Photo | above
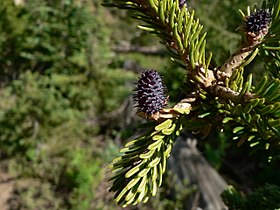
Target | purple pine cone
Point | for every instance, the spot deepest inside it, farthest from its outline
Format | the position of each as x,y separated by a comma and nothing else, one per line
182,3
150,96
258,21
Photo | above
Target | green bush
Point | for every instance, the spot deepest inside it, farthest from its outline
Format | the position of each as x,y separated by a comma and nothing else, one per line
31,108
42,36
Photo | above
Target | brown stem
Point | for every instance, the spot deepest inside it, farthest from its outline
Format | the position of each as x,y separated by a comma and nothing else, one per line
227,93
242,53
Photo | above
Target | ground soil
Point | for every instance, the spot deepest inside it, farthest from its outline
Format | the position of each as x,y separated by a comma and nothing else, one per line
6,189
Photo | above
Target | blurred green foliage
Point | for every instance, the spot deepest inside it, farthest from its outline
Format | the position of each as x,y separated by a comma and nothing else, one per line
263,198
55,83
42,36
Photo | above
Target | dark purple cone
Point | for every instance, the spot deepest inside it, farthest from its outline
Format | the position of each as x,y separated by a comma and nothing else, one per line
150,96
258,21
182,3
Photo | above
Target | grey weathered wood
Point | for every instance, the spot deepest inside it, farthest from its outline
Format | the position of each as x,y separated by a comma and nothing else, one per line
188,163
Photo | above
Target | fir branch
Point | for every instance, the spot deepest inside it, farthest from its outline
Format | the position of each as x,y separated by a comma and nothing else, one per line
139,170
256,27
176,26
218,97
229,94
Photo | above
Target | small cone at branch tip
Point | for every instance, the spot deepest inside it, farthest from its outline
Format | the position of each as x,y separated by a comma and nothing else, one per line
182,3
150,96
258,22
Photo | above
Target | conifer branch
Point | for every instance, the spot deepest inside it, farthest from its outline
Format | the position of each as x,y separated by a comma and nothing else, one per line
254,36
177,28
229,94
219,96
